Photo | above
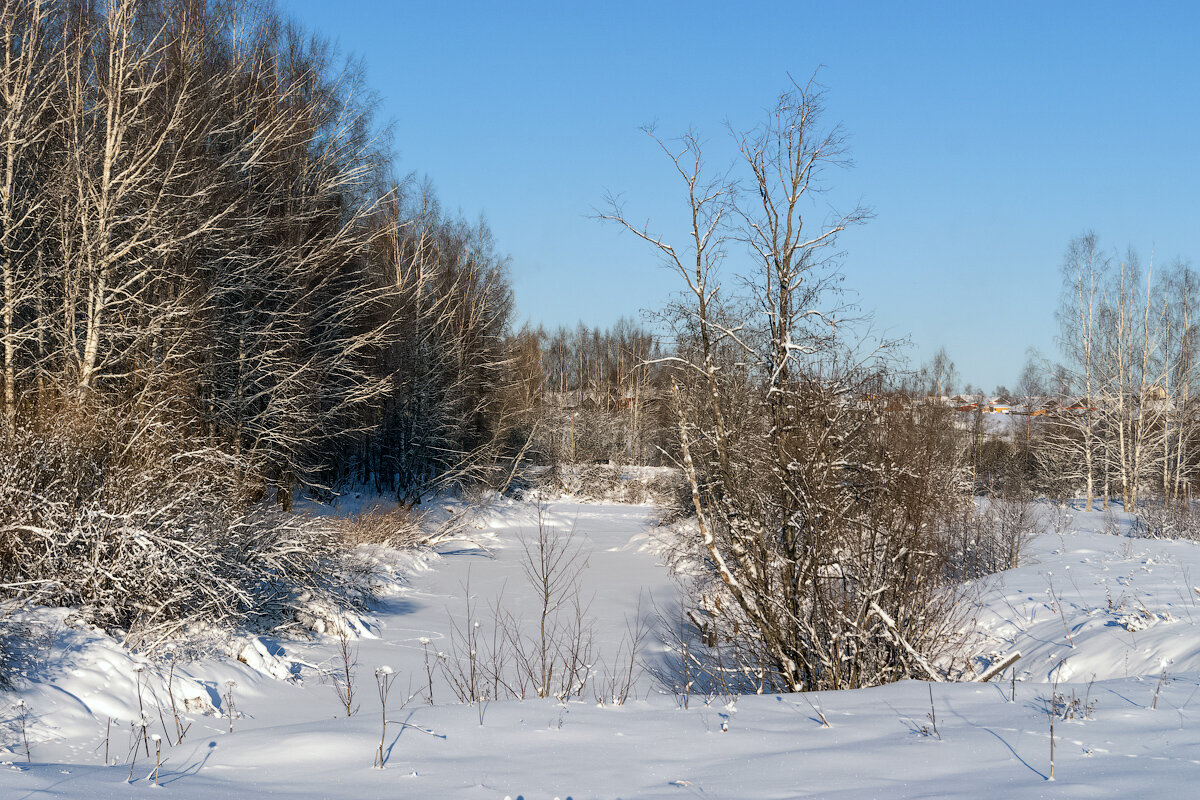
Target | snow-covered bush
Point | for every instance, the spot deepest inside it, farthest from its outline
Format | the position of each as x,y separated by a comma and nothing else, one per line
400,528
989,535
1158,519
150,537
616,483
833,570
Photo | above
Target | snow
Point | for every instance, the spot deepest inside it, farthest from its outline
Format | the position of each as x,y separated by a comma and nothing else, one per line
1105,619
1105,605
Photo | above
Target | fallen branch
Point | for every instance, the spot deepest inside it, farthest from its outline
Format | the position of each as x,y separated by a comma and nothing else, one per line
998,667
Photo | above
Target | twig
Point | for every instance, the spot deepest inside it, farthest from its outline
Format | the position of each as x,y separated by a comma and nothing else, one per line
933,713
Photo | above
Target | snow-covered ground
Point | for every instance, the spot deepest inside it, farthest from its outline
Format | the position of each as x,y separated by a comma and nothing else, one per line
1113,620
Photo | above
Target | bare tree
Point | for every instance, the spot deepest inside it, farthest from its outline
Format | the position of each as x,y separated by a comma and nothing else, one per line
1132,330
1076,428
782,448
25,89
940,374
697,263
1180,376
200,277
130,109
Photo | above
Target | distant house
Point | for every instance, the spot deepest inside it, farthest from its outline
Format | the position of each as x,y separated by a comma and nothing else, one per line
998,406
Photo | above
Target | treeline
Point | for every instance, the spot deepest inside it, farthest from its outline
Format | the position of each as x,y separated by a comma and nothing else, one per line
1130,378
1117,417
593,394
215,296
198,231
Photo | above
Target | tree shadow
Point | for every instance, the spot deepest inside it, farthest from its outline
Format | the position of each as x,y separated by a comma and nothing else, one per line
191,769
405,725
950,706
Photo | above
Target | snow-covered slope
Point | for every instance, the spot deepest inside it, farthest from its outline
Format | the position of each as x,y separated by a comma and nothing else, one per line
1099,613
1101,605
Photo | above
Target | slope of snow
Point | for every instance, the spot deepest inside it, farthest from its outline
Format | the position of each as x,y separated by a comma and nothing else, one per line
1111,619
1101,605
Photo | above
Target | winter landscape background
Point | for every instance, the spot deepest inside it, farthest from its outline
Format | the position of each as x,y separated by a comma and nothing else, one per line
311,486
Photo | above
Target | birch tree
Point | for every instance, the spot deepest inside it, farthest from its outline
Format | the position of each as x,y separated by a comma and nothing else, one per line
188,224
26,83
1133,399
128,119
1075,429
810,585
1180,377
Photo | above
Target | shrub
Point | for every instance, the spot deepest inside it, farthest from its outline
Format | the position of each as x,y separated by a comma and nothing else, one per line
1159,519
399,527
619,484
990,536
150,537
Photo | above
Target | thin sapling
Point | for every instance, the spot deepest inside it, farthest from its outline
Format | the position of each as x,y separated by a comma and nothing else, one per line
384,677
343,682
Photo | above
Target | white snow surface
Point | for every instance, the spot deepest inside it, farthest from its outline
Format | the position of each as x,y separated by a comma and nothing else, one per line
1113,619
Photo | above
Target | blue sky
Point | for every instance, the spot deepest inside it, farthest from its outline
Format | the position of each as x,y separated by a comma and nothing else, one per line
985,136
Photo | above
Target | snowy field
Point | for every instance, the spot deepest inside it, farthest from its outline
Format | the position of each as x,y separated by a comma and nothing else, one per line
1110,623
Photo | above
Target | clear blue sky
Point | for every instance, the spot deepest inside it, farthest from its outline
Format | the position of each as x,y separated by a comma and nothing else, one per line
985,136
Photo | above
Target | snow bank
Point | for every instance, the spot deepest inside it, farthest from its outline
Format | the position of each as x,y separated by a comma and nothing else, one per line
1104,620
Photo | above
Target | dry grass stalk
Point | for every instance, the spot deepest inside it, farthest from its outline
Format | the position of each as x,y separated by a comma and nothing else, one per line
399,527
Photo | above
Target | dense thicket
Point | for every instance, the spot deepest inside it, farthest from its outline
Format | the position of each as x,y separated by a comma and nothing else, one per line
192,230
214,295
